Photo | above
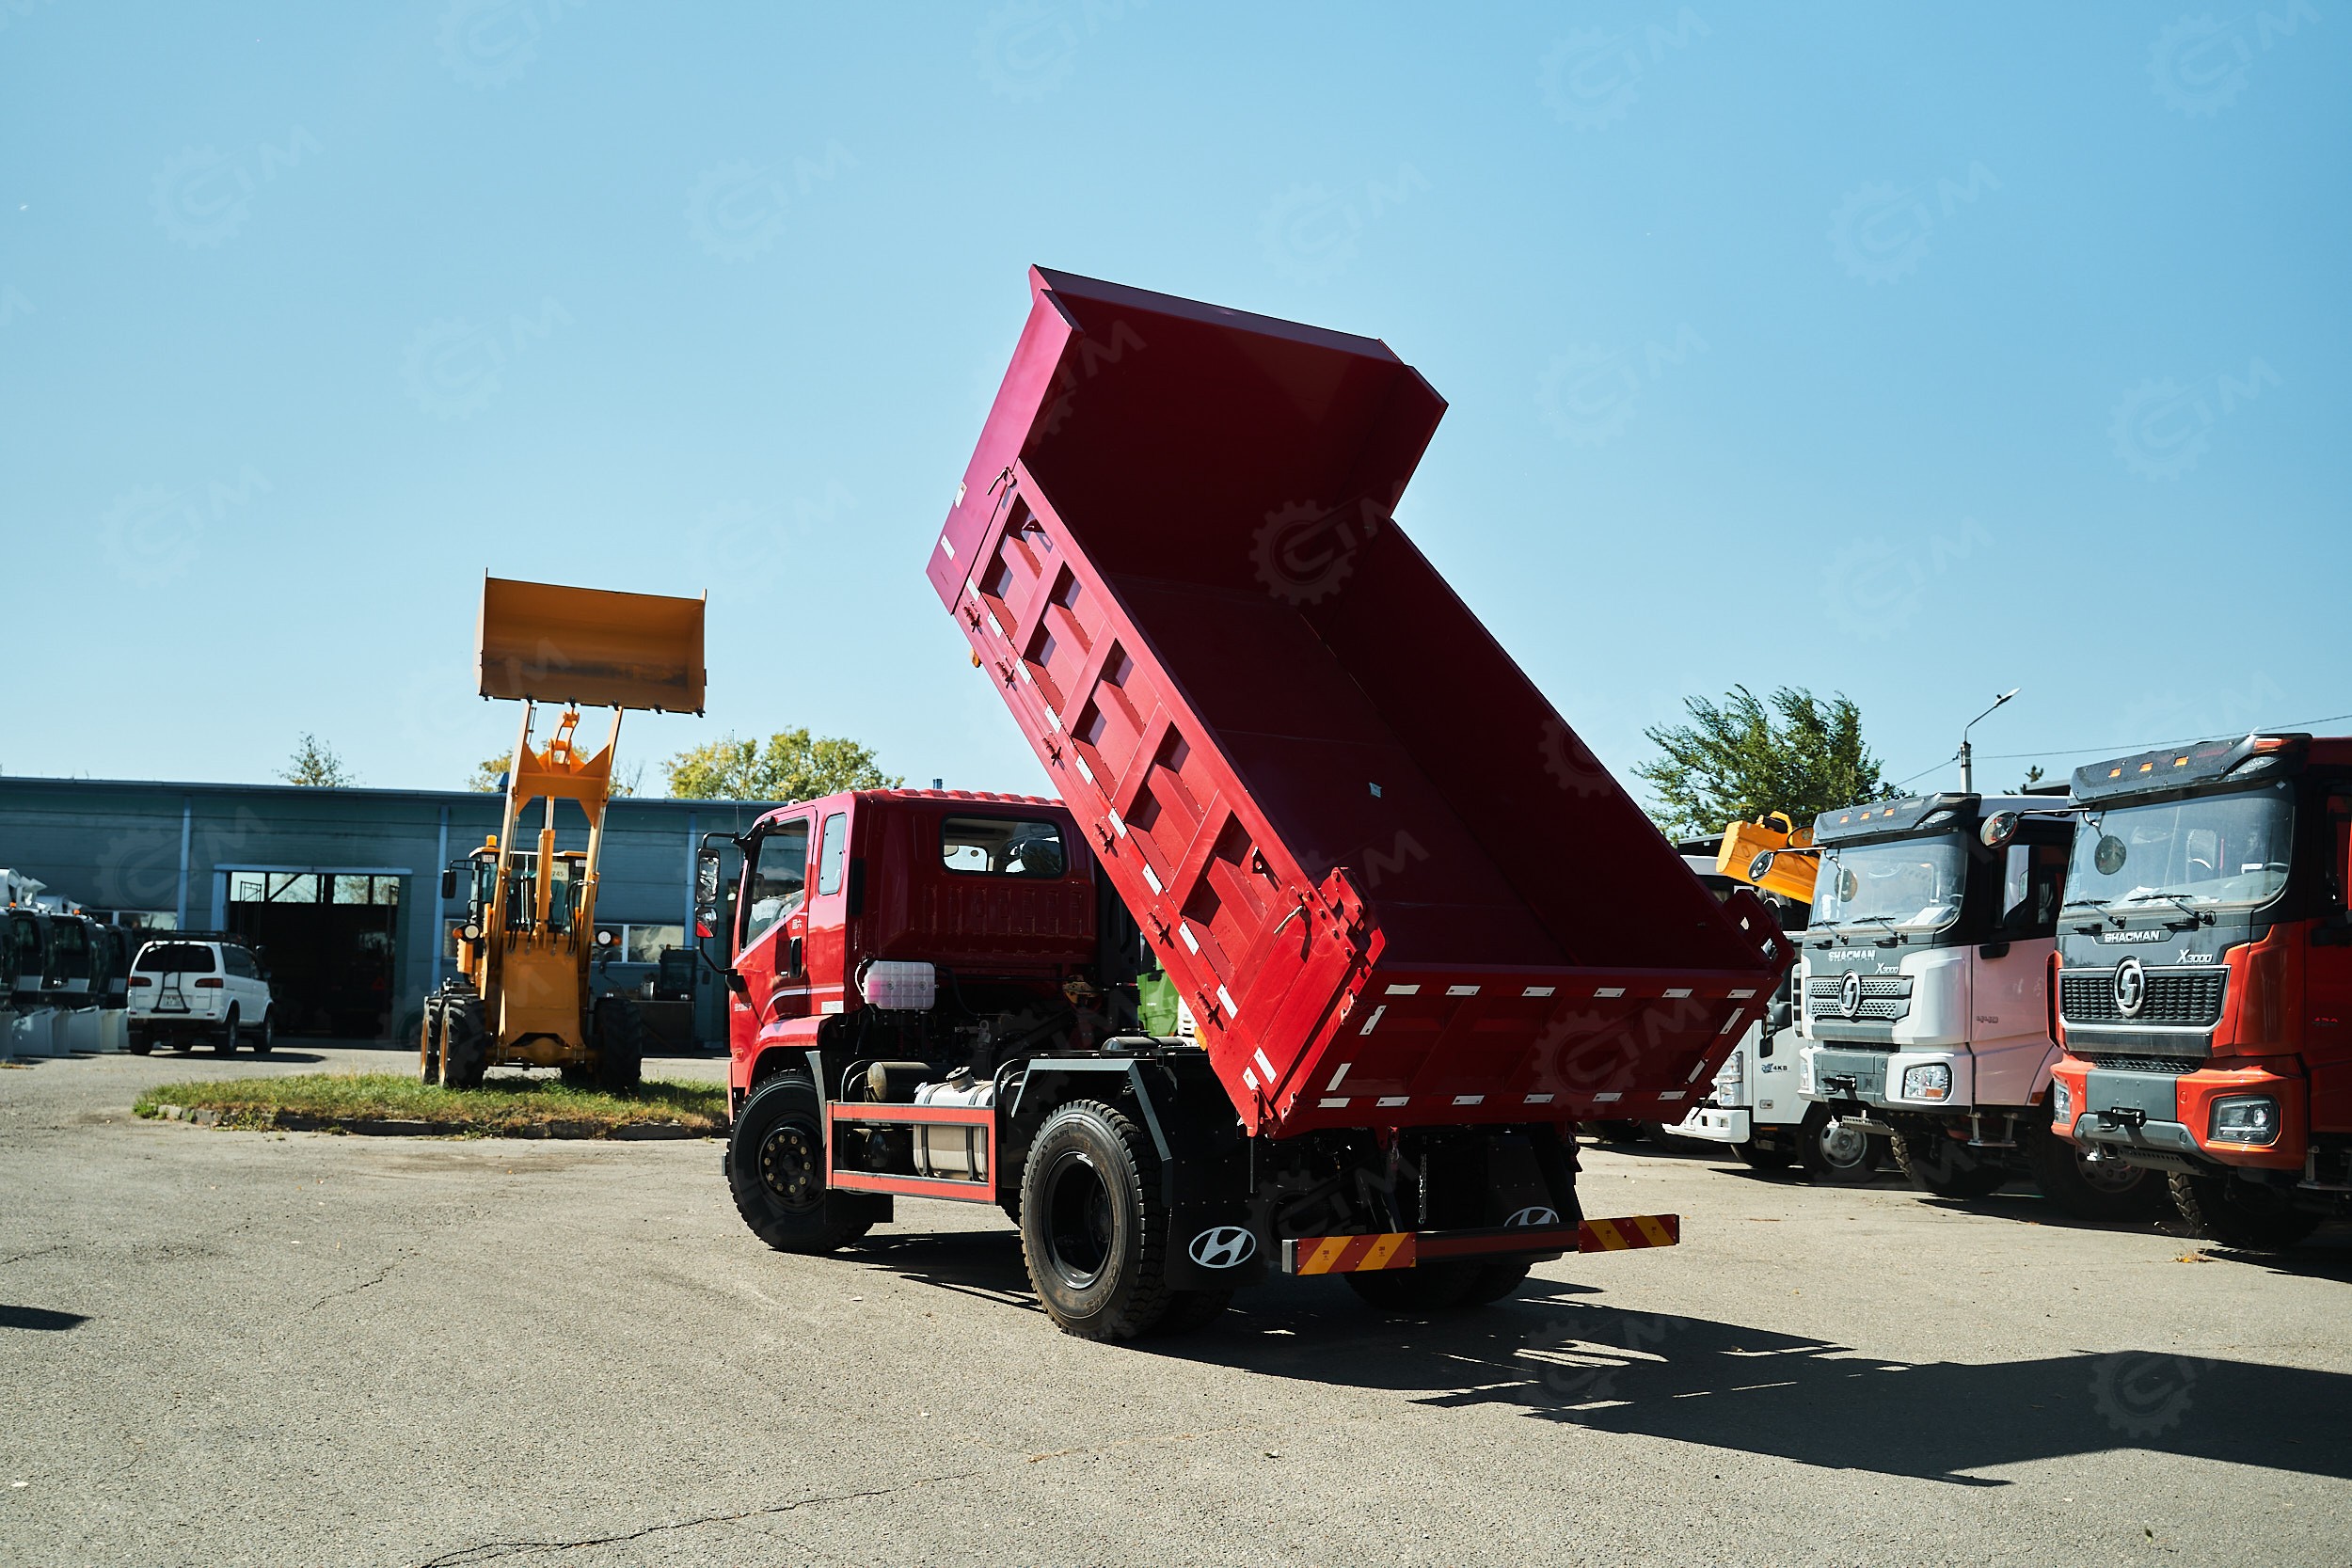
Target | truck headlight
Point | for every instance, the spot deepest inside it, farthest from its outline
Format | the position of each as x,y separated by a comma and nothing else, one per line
1728,1076
1932,1081
1804,1072
2062,1102
2246,1119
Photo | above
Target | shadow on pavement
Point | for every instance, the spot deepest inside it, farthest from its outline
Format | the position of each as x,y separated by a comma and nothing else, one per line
39,1318
1717,1384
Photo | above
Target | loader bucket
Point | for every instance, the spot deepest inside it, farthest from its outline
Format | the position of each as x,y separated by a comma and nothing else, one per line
589,648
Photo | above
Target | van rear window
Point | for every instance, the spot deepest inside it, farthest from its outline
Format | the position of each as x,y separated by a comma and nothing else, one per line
1001,847
175,957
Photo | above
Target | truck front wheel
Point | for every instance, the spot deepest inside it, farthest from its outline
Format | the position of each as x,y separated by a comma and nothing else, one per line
776,1170
1939,1164
1093,1228
2240,1213
2091,1189
1835,1152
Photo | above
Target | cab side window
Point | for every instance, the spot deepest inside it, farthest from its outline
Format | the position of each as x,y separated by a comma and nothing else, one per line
2339,843
779,879
830,858
2033,880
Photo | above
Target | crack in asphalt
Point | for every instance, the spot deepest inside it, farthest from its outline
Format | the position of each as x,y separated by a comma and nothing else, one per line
381,1276
489,1551
36,1251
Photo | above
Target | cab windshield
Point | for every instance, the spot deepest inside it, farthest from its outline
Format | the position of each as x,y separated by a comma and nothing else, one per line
1911,884
2207,850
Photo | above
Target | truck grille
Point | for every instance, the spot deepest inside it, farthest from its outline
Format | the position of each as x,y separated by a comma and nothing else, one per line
2176,1066
1885,998
2189,998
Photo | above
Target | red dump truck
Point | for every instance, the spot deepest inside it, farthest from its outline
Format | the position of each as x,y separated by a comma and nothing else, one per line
1412,930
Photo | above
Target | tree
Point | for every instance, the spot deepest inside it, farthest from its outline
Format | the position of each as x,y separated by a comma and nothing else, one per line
1745,756
315,764
791,766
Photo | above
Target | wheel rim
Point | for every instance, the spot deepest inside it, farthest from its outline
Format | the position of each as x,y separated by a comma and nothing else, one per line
1078,1219
1844,1147
790,1167
2107,1175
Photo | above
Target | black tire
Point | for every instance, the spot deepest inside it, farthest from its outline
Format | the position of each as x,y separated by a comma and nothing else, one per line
776,1170
2235,1213
1833,1153
464,1048
141,1044
1430,1288
225,1043
1495,1281
1093,1228
620,1045
1757,1157
429,1044
2108,1190
1936,1163
267,1036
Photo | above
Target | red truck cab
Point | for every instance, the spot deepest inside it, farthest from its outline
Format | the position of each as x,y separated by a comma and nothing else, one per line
2204,987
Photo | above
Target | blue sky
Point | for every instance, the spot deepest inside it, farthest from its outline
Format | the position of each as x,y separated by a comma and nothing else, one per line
1910,352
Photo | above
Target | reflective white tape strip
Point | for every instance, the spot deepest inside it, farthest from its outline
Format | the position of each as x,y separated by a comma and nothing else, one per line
1461,991
1152,876
1250,1078
1259,1057
1729,1025
1080,763
1392,1099
1536,990
1330,1104
1743,996
1231,1011
1190,940
1022,669
1604,1099
1371,1023
1116,826
1539,1099
1610,990
946,547
1670,1094
833,1006
1674,991
1337,1076
1470,1100
1053,721
995,625
1403,991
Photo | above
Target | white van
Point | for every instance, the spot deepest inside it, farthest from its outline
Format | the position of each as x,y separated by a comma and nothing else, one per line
183,991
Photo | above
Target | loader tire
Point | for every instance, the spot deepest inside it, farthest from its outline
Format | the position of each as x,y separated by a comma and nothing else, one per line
1430,1288
776,1171
1937,1164
1094,1227
465,1050
429,1044
1833,1153
2088,1190
2235,1213
620,1045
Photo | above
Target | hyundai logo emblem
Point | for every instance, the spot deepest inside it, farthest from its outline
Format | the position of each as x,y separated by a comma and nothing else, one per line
1850,993
1223,1246
1534,1214
2131,988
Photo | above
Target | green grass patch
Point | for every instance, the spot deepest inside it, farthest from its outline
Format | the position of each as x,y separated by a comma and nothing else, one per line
502,1107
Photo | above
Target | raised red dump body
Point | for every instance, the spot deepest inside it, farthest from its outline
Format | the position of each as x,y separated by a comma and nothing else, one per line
1392,885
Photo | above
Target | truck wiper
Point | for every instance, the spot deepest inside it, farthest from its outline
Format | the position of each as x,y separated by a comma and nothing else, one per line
1893,933
2196,916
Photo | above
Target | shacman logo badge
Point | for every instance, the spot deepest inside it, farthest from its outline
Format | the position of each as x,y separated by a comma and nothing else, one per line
1534,1214
1223,1246
2131,988
1850,993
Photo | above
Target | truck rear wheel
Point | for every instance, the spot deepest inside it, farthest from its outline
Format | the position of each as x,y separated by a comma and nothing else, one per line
1834,1152
620,1045
1093,1227
2240,1213
776,1171
1939,1165
2092,1190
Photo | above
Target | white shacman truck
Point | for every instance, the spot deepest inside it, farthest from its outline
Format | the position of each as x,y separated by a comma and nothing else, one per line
1923,995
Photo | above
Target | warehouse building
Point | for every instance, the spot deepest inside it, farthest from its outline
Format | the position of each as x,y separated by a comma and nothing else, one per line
341,888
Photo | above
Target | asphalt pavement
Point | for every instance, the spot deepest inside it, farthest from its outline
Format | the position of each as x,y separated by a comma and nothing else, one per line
223,1348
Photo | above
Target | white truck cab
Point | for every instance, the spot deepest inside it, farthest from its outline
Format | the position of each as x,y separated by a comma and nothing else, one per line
1924,992
185,989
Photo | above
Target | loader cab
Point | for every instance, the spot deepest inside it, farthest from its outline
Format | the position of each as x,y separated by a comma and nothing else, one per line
71,955
26,938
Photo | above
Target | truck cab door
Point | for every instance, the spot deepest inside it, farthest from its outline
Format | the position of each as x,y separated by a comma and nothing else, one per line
770,921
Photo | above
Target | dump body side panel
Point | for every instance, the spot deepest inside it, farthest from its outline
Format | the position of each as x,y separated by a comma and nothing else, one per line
1393,884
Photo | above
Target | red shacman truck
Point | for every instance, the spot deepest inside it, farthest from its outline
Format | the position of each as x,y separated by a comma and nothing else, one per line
2204,979
1415,931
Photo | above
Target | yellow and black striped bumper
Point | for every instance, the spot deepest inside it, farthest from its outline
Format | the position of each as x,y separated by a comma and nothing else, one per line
1405,1250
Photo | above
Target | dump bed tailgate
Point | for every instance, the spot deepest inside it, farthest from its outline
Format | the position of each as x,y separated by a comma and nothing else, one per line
1392,885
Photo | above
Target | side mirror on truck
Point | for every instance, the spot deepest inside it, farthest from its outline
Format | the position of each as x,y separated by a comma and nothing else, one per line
448,884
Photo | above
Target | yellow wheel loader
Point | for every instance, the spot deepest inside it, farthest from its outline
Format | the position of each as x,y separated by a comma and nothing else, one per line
529,935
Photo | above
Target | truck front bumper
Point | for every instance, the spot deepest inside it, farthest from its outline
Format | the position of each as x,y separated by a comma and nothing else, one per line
1717,1124
2166,1119
1875,1080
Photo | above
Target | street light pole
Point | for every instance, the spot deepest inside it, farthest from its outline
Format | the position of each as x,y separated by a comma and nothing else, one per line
1967,755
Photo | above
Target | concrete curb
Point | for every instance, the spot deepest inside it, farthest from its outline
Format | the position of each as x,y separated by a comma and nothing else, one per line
380,1127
